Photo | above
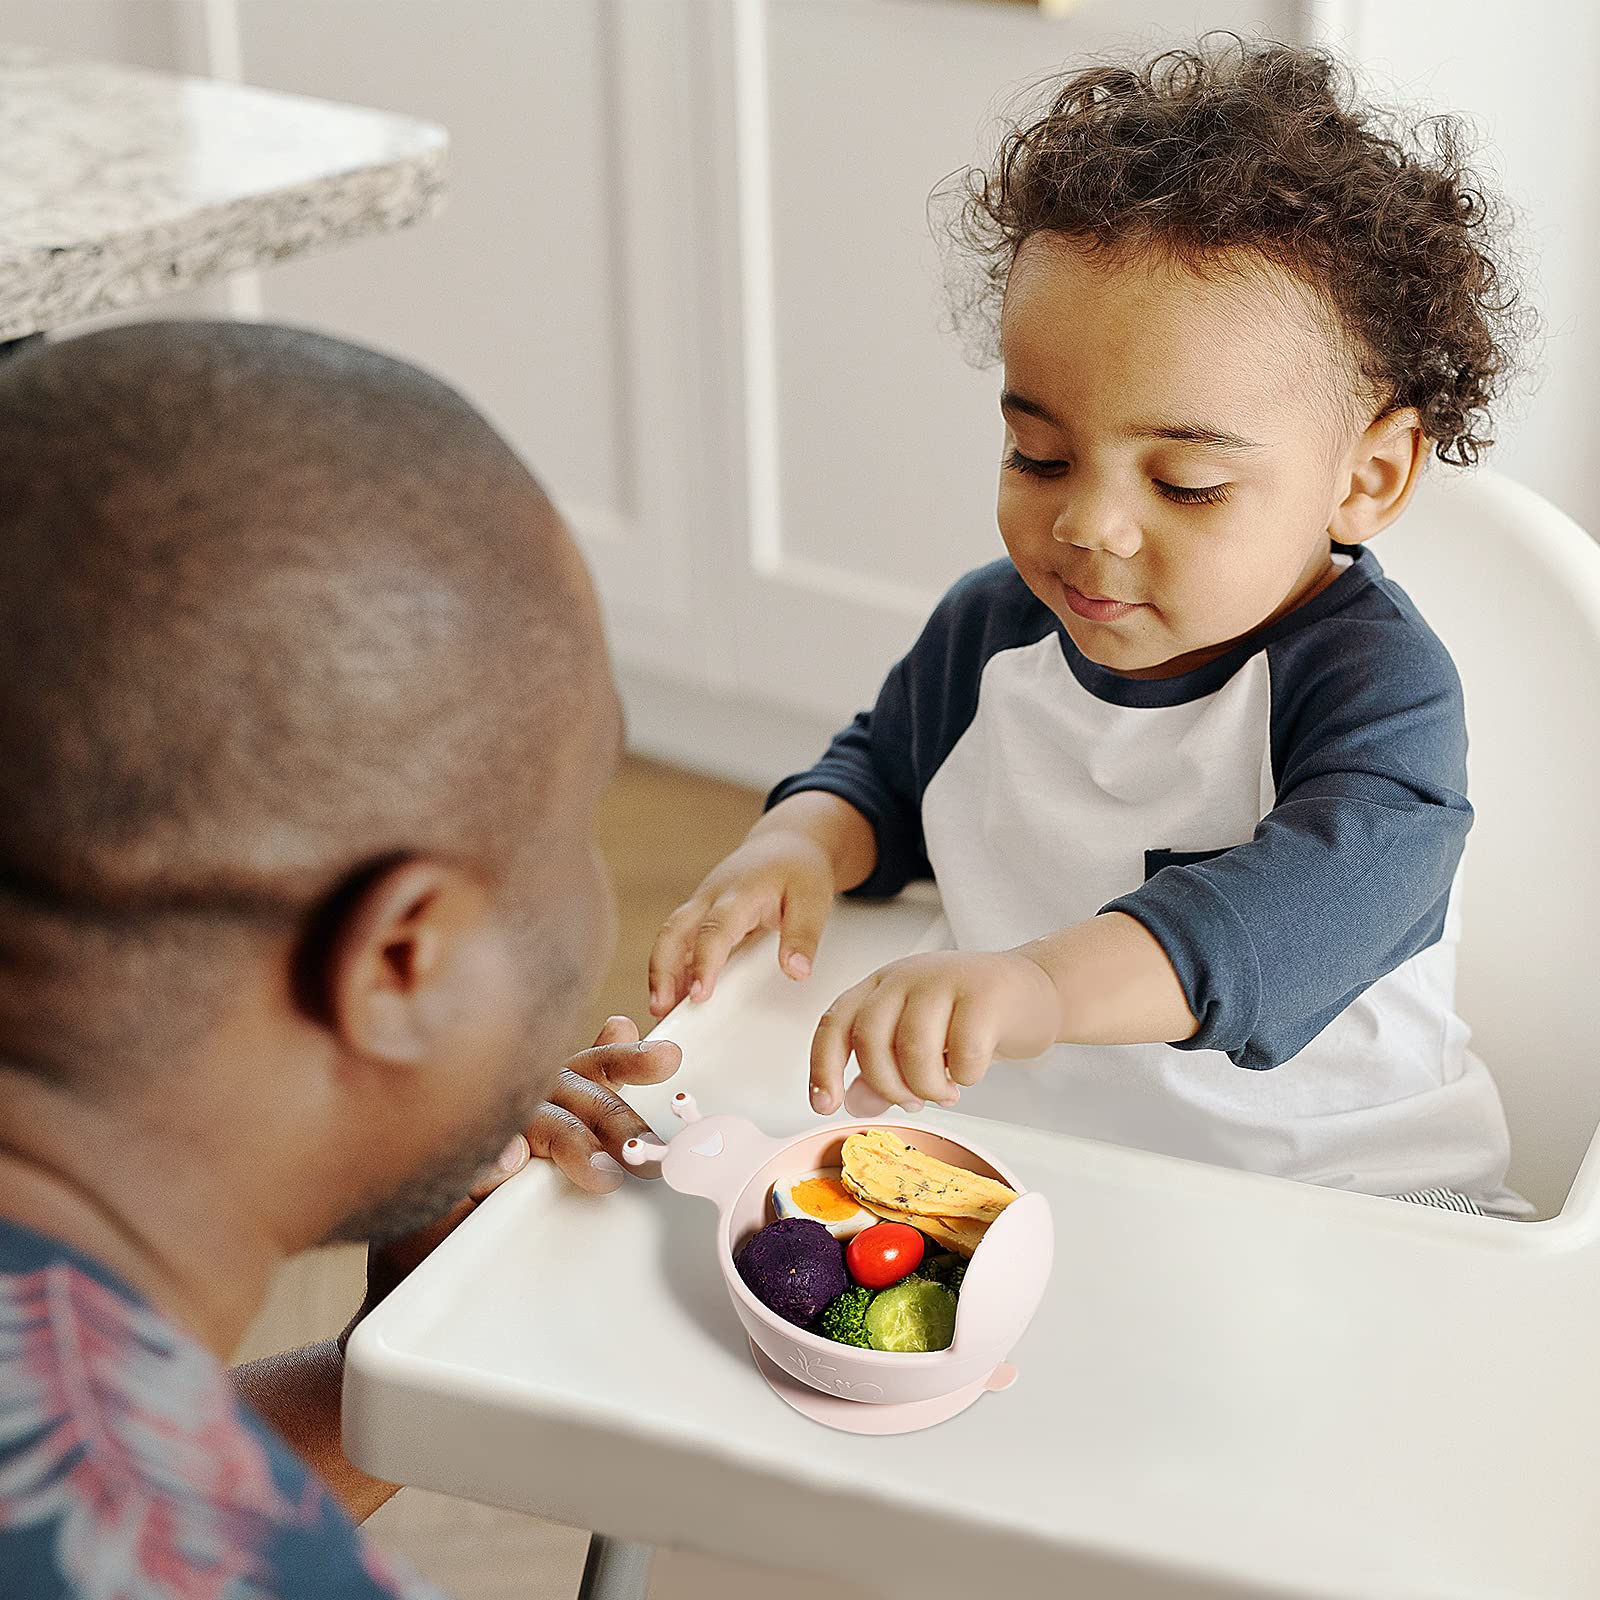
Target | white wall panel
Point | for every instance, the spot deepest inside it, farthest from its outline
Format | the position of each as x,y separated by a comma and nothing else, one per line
143,33
1525,79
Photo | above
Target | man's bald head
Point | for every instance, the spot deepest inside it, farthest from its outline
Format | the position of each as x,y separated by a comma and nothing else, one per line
273,609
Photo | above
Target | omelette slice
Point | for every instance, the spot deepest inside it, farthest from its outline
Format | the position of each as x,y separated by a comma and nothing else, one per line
881,1170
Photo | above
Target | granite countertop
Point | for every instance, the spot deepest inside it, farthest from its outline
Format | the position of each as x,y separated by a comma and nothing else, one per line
119,184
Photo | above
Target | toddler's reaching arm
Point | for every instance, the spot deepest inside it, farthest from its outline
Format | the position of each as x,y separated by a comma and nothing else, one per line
927,1026
851,822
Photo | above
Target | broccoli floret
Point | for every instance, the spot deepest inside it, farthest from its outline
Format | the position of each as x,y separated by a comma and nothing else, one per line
946,1267
844,1319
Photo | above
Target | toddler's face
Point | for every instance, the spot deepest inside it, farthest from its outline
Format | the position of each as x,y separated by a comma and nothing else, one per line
1171,444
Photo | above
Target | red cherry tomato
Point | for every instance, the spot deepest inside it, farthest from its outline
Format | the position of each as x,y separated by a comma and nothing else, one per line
884,1254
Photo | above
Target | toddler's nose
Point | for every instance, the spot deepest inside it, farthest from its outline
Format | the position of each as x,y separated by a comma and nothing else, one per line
1095,521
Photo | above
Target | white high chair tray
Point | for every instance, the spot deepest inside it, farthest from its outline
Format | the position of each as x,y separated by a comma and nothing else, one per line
1235,1385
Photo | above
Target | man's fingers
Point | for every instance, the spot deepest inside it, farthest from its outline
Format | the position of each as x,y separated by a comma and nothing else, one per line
800,923
557,1135
617,1030
510,1160
647,1061
610,1119
722,928
652,1061
919,1041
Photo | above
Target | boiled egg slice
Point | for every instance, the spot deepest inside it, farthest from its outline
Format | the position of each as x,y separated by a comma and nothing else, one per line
823,1198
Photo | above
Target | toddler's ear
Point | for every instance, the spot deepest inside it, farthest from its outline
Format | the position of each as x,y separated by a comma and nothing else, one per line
1384,467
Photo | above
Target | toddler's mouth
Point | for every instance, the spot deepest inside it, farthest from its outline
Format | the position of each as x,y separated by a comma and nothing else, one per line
1097,608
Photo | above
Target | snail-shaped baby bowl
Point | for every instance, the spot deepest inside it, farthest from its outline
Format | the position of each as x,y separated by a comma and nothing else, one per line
733,1163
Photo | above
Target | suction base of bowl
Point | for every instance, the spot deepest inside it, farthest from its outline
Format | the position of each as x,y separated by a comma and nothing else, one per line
856,1416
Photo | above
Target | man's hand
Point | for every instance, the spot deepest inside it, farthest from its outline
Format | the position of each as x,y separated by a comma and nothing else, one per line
926,1027
582,1128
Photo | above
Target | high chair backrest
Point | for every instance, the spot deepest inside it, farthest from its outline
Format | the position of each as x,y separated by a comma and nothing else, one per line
1512,587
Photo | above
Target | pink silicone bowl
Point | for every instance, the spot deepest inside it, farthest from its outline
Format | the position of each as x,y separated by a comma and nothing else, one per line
731,1162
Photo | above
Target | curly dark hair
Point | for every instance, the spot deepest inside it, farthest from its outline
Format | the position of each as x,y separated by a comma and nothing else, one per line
1264,148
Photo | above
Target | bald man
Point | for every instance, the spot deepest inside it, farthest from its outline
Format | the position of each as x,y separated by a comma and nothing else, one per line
304,715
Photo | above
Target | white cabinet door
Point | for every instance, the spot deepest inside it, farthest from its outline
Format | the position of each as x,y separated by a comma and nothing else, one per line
558,289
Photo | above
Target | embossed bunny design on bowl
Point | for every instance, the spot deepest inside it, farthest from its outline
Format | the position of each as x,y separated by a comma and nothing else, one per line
731,1162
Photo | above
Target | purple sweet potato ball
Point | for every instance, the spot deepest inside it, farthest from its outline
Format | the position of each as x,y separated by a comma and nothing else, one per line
793,1266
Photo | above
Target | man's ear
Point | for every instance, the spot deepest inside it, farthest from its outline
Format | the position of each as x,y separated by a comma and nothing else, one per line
1386,466
396,957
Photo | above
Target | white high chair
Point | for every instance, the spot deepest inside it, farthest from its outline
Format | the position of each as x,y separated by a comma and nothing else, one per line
1512,586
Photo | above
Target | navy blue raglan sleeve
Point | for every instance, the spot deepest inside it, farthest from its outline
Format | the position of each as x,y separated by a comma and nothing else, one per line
1349,874
885,759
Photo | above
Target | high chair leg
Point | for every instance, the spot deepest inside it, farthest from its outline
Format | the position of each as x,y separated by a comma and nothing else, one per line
615,1570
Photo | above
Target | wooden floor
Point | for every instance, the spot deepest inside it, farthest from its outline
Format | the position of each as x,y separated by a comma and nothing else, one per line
660,831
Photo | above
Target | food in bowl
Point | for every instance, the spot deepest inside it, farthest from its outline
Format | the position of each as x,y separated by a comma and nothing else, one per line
731,1162
896,1181
845,1320
823,1197
912,1318
901,1277
885,1254
794,1267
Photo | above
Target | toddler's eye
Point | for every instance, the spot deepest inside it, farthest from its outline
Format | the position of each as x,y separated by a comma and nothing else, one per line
1213,495
1033,467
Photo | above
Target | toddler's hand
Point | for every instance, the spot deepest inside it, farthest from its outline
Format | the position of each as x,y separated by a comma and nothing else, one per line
775,879
925,1027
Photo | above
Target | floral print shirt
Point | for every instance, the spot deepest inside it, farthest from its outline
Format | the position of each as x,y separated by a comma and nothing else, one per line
131,1470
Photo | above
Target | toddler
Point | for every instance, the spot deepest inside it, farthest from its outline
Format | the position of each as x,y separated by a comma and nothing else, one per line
1188,769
